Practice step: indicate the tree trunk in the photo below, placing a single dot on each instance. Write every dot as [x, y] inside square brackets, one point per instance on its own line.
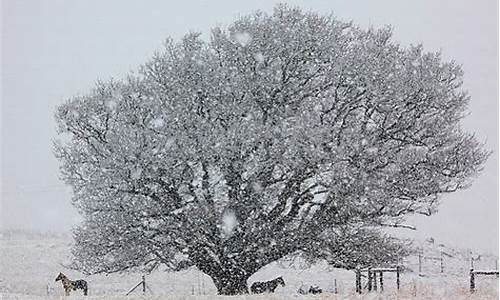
[231, 285]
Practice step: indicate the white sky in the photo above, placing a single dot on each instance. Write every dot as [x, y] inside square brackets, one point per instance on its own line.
[55, 49]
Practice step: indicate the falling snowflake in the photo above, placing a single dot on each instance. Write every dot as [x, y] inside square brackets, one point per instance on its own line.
[229, 222]
[74, 113]
[243, 38]
[157, 123]
[372, 150]
[111, 105]
[136, 173]
[169, 142]
[257, 187]
[259, 57]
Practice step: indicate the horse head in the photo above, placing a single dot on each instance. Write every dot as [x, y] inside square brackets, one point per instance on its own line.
[280, 281]
[61, 276]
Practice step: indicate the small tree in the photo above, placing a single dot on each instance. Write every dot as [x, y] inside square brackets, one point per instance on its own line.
[285, 133]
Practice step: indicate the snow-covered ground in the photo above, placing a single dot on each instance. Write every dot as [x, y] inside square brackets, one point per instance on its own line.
[29, 264]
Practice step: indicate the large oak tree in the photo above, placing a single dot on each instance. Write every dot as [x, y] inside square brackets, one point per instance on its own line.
[283, 134]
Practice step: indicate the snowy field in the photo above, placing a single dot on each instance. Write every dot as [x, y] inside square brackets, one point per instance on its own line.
[30, 263]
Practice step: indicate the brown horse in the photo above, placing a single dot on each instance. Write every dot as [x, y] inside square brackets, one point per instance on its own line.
[69, 285]
[267, 286]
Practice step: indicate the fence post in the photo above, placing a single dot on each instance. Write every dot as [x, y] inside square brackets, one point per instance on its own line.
[397, 276]
[335, 286]
[419, 263]
[472, 282]
[358, 280]
[142, 282]
[369, 279]
[442, 263]
[414, 288]
[374, 276]
[381, 281]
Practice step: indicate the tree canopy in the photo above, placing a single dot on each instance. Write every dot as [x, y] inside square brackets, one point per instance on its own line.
[283, 133]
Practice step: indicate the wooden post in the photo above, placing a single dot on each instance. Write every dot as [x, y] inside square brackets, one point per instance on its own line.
[335, 286]
[414, 288]
[358, 280]
[397, 277]
[369, 279]
[381, 281]
[374, 276]
[419, 263]
[442, 263]
[142, 282]
[472, 281]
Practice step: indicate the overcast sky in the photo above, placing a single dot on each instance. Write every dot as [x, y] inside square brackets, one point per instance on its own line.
[55, 49]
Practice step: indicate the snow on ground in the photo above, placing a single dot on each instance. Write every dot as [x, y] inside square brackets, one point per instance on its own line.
[29, 264]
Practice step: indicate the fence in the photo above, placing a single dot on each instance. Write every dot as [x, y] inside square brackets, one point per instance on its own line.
[421, 257]
[473, 274]
[446, 263]
[372, 278]
[144, 287]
